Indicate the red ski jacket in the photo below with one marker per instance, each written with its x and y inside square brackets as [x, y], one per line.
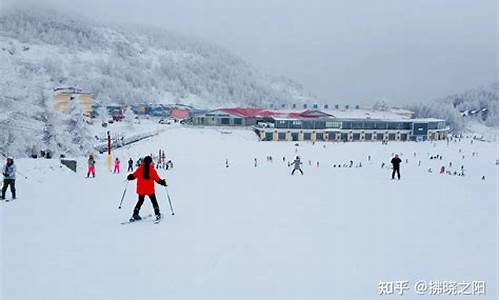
[146, 186]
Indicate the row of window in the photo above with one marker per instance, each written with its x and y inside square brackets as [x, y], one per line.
[362, 124]
[333, 124]
[222, 121]
[334, 136]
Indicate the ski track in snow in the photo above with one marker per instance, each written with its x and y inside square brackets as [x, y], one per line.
[248, 232]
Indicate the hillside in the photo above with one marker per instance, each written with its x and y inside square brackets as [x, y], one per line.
[123, 64]
[464, 110]
[42, 50]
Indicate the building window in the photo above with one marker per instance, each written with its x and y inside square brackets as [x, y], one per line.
[296, 124]
[280, 124]
[392, 136]
[404, 137]
[346, 125]
[308, 124]
[380, 125]
[357, 125]
[433, 125]
[380, 136]
[224, 121]
[368, 136]
[369, 125]
[319, 136]
[393, 125]
[238, 121]
[343, 137]
[269, 136]
[333, 124]
[307, 136]
[281, 136]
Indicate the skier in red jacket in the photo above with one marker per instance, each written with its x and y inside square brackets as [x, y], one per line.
[146, 176]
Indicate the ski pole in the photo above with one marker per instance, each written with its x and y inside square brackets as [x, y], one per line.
[169, 202]
[123, 196]
[25, 177]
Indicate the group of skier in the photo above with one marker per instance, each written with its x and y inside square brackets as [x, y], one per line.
[161, 163]
[145, 174]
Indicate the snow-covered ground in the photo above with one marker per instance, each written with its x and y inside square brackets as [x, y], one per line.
[247, 232]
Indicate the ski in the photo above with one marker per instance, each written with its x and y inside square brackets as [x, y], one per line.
[135, 221]
[158, 221]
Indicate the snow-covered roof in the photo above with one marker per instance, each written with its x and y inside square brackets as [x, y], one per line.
[344, 115]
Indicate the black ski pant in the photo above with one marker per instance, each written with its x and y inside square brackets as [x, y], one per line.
[6, 183]
[394, 171]
[152, 197]
[130, 168]
[296, 170]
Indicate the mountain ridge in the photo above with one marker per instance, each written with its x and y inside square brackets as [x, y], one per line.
[127, 64]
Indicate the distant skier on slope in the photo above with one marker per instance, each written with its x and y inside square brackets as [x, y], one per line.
[130, 165]
[9, 177]
[146, 176]
[296, 165]
[396, 161]
[117, 166]
[91, 166]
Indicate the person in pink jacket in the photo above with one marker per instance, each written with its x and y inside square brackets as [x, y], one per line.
[117, 166]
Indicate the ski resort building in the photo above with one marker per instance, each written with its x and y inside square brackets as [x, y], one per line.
[316, 125]
[63, 96]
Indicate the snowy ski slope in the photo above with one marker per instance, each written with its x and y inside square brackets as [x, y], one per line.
[248, 232]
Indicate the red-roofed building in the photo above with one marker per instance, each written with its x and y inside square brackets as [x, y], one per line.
[240, 116]
[180, 114]
[316, 125]
[234, 117]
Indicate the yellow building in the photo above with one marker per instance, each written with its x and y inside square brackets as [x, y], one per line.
[63, 96]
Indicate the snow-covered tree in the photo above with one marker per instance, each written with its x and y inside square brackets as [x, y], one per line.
[102, 114]
[77, 127]
[132, 65]
[381, 105]
[129, 116]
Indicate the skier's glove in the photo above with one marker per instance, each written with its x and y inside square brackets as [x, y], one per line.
[162, 182]
[130, 177]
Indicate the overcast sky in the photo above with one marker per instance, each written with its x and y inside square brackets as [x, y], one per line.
[347, 51]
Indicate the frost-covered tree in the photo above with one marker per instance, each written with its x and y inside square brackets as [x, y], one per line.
[102, 114]
[54, 137]
[381, 105]
[129, 116]
[77, 127]
[455, 109]
[131, 64]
